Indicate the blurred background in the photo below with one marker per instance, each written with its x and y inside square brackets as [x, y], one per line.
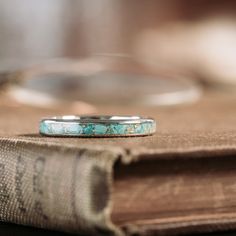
[146, 53]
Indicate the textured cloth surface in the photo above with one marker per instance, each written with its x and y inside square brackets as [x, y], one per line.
[208, 126]
[54, 187]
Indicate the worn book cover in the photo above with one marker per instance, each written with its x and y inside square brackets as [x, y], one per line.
[178, 181]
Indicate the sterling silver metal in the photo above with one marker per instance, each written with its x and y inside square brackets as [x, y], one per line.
[93, 126]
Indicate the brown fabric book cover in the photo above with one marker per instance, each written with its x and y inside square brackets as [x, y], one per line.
[181, 180]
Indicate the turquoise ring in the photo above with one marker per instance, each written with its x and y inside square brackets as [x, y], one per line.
[97, 126]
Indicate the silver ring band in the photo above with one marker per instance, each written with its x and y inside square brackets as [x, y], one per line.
[94, 126]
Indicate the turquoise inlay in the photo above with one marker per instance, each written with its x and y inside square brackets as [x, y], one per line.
[73, 128]
[100, 129]
[88, 129]
[146, 127]
[150, 127]
[130, 129]
[139, 128]
[118, 129]
[56, 129]
[43, 128]
[93, 129]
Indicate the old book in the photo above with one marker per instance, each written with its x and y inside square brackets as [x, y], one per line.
[179, 181]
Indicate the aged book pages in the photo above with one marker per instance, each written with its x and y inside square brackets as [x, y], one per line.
[176, 195]
[177, 181]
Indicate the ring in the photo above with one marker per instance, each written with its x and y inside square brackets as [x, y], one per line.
[95, 126]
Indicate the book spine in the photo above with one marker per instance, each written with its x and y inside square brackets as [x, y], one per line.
[54, 187]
